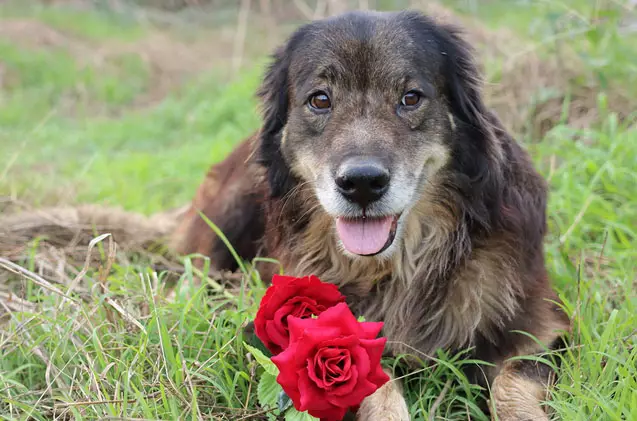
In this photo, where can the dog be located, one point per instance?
(379, 168)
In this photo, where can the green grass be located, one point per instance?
(141, 159)
(595, 28)
(94, 24)
(70, 133)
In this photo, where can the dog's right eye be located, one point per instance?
(411, 99)
(320, 101)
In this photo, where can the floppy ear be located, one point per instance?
(274, 97)
(464, 82)
(477, 150)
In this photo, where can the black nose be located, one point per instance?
(362, 182)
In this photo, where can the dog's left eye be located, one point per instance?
(320, 101)
(410, 99)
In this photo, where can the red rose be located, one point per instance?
(288, 296)
(332, 363)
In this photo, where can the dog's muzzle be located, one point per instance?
(363, 181)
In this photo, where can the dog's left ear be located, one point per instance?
(464, 81)
(274, 97)
(477, 151)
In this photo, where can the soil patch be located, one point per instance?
(170, 61)
(530, 86)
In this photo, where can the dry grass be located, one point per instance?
(86, 333)
(520, 70)
(526, 69)
(169, 60)
(55, 240)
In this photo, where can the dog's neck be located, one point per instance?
(433, 239)
(435, 280)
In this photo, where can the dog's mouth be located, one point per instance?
(367, 236)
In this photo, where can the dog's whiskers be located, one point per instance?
(289, 196)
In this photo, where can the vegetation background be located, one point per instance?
(120, 106)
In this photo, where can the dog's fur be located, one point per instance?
(466, 269)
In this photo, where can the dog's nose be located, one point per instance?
(362, 182)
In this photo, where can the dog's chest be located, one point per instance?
(422, 312)
(427, 296)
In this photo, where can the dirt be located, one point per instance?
(526, 71)
(30, 33)
(169, 60)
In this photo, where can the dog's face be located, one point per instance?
(363, 109)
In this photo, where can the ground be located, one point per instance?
(119, 104)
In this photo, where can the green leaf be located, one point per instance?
(253, 340)
(268, 391)
(293, 415)
(284, 401)
(263, 361)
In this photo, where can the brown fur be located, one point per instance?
(387, 403)
(517, 396)
(467, 269)
(239, 207)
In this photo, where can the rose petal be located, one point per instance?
(286, 361)
(276, 338)
(331, 352)
(363, 389)
(374, 348)
(279, 280)
(360, 359)
(288, 379)
(346, 387)
(338, 364)
(312, 336)
(295, 330)
(261, 317)
(287, 295)
(298, 307)
(281, 295)
(322, 291)
(338, 369)
(317, 371)
(344, 341)
(371, 329)
(378, 377)
(312, 397)
(340, 315)
(281, 314)
(334, 414)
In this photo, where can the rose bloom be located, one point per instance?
(289, 296)
(332, 363)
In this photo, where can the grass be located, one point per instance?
(109, 346)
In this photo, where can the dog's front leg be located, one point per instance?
(518, 396)
(386, 404)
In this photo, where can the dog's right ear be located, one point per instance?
(274, 97)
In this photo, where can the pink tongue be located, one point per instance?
(364, 236)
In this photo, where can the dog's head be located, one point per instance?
(367, 108)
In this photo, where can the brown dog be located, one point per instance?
(380, 169)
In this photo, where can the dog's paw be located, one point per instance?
(386, 404)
